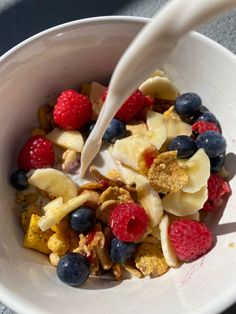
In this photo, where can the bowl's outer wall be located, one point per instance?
(64, 58)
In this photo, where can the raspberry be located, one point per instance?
(36, 153)
(200, 127)
(72, 110)
(217, 188)
(128, 221)
(131, 106)
(190, 239)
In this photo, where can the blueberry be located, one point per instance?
(121, 251)
(188, 104)
(207, 117)
(19, 180)
(114, 131)
(73, 269)
(82, 219)
(191, 120)
(184, 144)
(217, 163)
(212, 142)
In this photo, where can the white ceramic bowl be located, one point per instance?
(64, 57)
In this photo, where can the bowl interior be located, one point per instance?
(65, 57)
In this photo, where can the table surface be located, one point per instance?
(20, 19)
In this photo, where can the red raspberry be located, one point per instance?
(36, 153)
(72, 110)
(131, 106)
(217, 188)
(128, 221)
(190, 239)
(200, 127)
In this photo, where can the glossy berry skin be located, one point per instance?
(184, 145)
(73, 269)
(212, 142)
(217, 162)
(37, 152)
(207, 117)
(114, 131)
(128, 221)
(188, 104)
(19, 180)
(190, 239)
(121, 251)
(82, 219)
(72, 110)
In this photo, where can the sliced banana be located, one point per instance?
(128, 175)
(54, 182)
(198, 171)
(168, 252)
(159, 87)
(184, 204)
(95, 95)
(67, 139)
(177, 127)
(53, 204)
(128, 150)
(54, 215)
(150, 200)
(156, 122)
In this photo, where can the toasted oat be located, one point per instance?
(103, 252)
(118, 271)
(59, 243)
(114, 175)
(20, 197)
(93, 186)
(136, 127)
(166, 175)
(94, 198)
(104, 210)
(146, 159)
(26, 214)
(86, 247)
(117, 194)
(171, 114)
(54, 259)
(149, 260)
(31, 198)
(69, 160)
(130, 267)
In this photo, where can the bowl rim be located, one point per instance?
(22, 305)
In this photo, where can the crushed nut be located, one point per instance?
(117, 194)
(59, 243)
(118, 271)
(54, 259)
(171, 114)
(104, 210)
(130, 267)
(149, 260)
(146, 159)
(69, 160)
(93, 186)
(103, 252)
(166, 175)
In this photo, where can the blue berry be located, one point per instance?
(188, 104)
(19, 180)
(212, 142)
(73, 269)
(114, 131)
(121, 251)
(184, 144)
(207, 117)
(82, 219)
(191, 120)
(217, 162)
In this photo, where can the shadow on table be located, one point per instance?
(28, 17)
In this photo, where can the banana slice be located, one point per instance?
(177, 127)
(128, 150)
(150, 200)
(53, 204)
(54, 182)
(54, 215)
(156, 122)
(67, 139)
(198, 171)
(184, 204)
(159, 87)
(128, 175)
(95, 95)
(168, 252)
